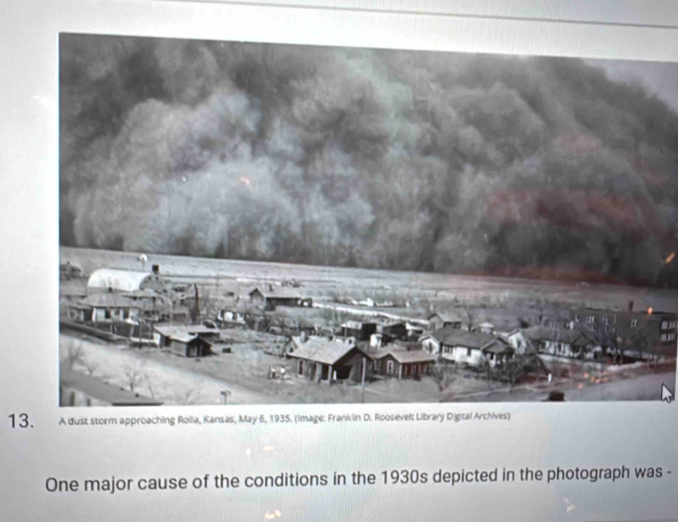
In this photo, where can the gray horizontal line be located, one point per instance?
(643, 520)
(437, 13)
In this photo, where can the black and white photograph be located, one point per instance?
(249, 223)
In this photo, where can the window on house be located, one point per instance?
(663, 337)
(665, 325)
(590, 319)
(634, 323)
(468, 352)
(389, 367)
(107, 313)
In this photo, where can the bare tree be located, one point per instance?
(643, 343)
(75, 355)
(518, 366)
(443, 376)
(90, 366)
(133, 374)
(195, 309)
(150, 385)
(609, 339)
(188, 396)
(469, 316)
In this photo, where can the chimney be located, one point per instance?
(304, 336)
(631, 306)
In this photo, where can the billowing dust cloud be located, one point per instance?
(536, 167)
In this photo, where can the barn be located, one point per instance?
(123, 281)
(320, 359)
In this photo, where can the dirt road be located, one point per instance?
(117, 364)
(640, 388)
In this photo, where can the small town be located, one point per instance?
(142, 337)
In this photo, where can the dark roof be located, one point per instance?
(563, 335)
(140, 294)
(454, 337)
(406, 345)
(80, 306)
(178, 330)
(353, 325)
(66, 291)
(278, 293)
(187, 338)
(109, 300)
(322, 350)
(498, 347)
(103, 391)
(446, 316)
(628, 313)
(404, 357)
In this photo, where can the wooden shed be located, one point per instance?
(190, 345)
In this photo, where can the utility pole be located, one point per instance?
(363, 379)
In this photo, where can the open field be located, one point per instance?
(326, 281)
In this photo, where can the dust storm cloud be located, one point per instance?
(460, 163)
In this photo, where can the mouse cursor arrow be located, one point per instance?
(667, 394)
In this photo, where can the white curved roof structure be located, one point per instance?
(118, 280)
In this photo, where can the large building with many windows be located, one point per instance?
(642, 333)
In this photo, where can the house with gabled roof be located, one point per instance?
(517, 339)
(107, 307)
(164, 333)
(190, 345)
(562, 342)
(274, 297)
(440, 320)
(393, 362)
(467, 348)
(474, 348)
(327, 360)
